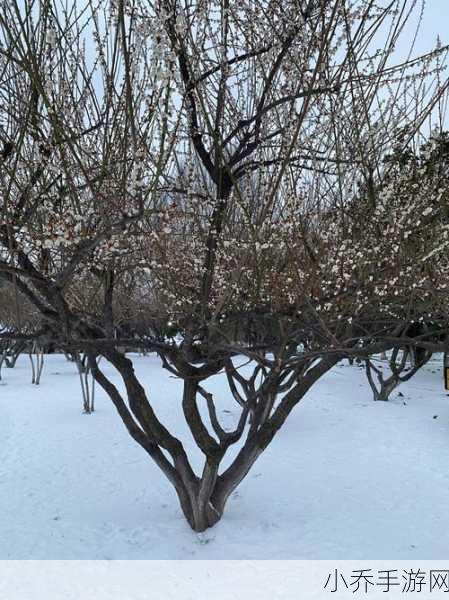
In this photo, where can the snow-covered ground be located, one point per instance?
(345, 478)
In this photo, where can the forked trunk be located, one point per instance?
(203, 503)
(196, 501)
(386, 387)
(201, 517)
(203, 498)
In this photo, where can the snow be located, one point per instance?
(346, 477)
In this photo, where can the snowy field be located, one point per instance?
(345, 478)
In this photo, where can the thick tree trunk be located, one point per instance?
(204, 505)
(382, 391)
(203, 498)
(204, 516)
(386, 387)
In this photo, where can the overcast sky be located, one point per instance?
(435, 22)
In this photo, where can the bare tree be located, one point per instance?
(36, 355)
(218, 156)
(17, 317)
(398, 372)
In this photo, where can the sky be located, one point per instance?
(435, 22)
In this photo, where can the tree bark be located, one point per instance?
(203, 498)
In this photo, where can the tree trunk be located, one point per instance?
(202, 498)
(386, 387)
(203, 516)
